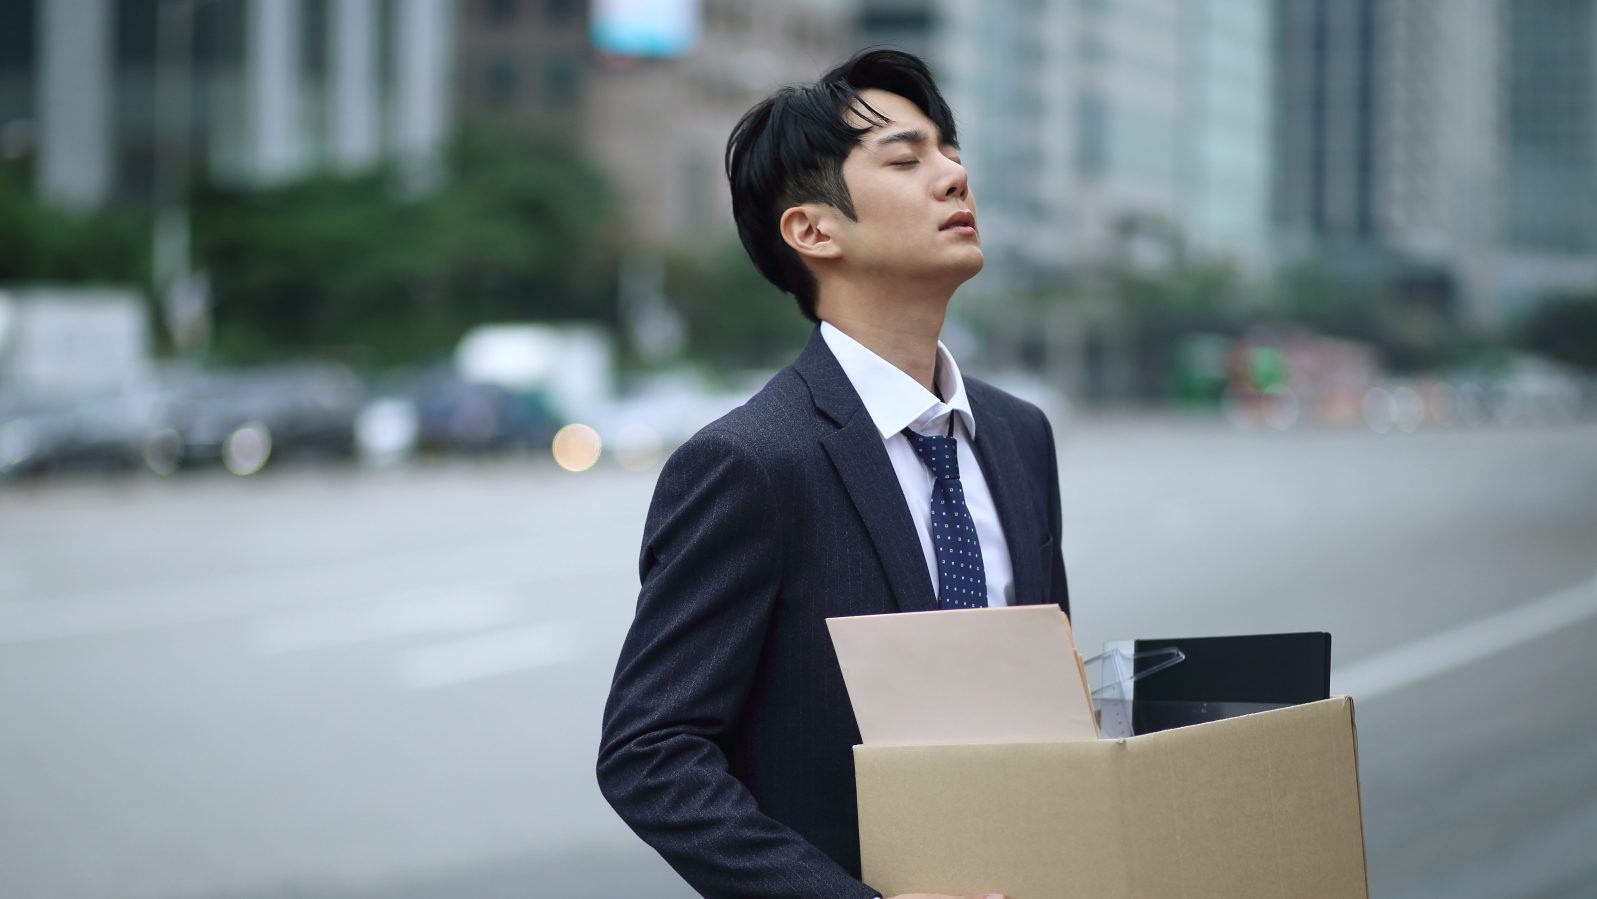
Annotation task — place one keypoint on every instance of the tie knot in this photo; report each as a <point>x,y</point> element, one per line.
<point>939,454</point>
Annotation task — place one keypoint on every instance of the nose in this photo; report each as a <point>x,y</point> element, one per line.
<point>954,181</point>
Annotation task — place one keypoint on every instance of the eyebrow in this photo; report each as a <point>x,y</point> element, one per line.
<point>907,136</point>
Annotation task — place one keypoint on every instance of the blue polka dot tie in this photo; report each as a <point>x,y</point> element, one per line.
<point>959,567</point>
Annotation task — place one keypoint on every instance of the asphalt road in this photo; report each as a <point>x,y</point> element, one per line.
<point>338,683</point>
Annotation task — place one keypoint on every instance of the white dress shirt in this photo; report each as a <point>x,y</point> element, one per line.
<point>895,401</point>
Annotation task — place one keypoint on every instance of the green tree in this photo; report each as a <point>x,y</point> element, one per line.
<point>1338,306</point>
<point>1407,313</point>
<point>40,243</point>
<point>733,316</point>
<point>520,230</point>
<point>1166,308</point>
<point>1564,328</point>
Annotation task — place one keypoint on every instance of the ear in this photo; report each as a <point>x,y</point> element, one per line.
<point>808,229</point>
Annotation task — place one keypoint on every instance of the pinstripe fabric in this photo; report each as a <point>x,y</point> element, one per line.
<point>727,737</point>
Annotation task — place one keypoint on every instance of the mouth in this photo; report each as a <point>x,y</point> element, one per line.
<point>961,222</point>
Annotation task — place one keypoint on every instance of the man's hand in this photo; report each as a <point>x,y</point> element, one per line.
<point>943,896</point>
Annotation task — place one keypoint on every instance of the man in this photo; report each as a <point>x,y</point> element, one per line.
<point>867,477</point>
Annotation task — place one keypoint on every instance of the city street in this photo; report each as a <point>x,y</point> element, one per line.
<point>328,682</point>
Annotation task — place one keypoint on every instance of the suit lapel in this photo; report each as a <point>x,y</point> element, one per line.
<point>857,452</point>
<point>995,450</point>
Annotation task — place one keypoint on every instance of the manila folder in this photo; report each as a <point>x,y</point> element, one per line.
<point>997,675</point>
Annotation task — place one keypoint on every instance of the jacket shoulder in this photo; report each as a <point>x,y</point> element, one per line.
<point>1019,412</point>
<point>767,423</point>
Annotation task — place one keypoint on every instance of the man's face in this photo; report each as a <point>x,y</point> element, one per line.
<point>907,185</point>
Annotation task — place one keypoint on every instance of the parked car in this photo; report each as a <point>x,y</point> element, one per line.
<point>245,418</point>
<point>103,430</point>
<point>457,415</point>
<point>181,416</point>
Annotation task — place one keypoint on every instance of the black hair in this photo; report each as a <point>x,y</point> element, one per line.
<point>789,149</point>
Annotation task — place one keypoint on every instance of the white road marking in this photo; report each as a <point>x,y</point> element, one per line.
<point>491,655</point>
<point>1395,669</point>
<point>415,612</point>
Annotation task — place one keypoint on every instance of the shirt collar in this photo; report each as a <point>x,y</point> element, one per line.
<point>893,399</point>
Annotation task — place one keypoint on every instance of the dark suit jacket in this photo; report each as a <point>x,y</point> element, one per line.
<point>727,741</point>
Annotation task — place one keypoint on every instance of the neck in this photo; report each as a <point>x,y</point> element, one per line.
<point>901,327</point>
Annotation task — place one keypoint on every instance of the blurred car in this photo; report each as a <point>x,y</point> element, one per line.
<point>453,414</point>
<point>103,430</point>
<point>31,435</point>
<point>179,416</point>
<point>245,418</point>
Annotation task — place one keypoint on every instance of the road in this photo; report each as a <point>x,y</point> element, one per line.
<point>330,683</point>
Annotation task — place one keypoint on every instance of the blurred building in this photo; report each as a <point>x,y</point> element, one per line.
<point>1102,131</point>
<point>1100,136</point>
<point>660,126</point>
<point>1444,136</point>
<point>650,91</point>
<point>1549,197</point>
<point>120,99</point>
<point>527,61</point>
<point>1385,145</point>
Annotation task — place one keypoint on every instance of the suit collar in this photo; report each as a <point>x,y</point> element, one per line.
<point>829,385</point>
<point>857,452</point>
<point>895,400</point>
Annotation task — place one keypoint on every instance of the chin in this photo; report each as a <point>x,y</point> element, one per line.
<point>970,263</point>
<point>948,268</point>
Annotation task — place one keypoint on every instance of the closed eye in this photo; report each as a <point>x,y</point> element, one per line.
<point>907,162</point>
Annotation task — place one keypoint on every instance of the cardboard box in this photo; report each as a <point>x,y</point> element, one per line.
<point>1261,805</point>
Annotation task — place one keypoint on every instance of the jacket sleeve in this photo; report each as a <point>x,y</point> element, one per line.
<point>1058,589</point>
<point>710,570</point>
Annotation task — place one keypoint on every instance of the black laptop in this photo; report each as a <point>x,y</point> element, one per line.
<point>1222,677</point>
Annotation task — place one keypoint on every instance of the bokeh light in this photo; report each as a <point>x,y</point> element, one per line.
<point>638,447</point>
<point>577,447</point>
<point>247,449</point>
